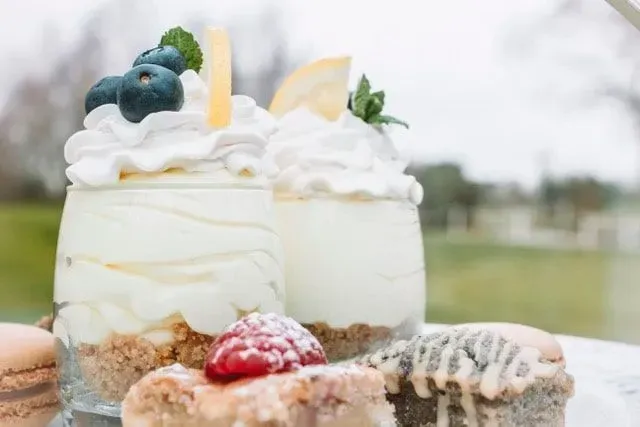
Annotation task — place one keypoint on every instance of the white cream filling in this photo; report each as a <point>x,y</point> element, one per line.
<point>351,262</point>
<point>132,259</point>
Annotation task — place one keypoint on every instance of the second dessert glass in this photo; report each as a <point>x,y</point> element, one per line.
<point>355,269</point>
<point>347,213</point>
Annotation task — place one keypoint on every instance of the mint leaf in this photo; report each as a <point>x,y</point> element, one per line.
<point>389,120</point>
<point>368,106</point>
<point>379,95</point>
<point>186,43</point>
<point>373,107</point>
<point>363,92</point>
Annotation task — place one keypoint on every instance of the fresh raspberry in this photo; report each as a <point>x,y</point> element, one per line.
<point>261,344</point>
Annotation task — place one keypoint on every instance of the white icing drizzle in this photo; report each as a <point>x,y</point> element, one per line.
<point>490,382</point>
<point>441,375</point>
<point>443,411</point>
<point>177,372</point>
<point>477,361</point>
<point>465,370</point>
<point>469,408</point>
<point>421,386</point>
<point>392,383</point>
<point>389,365</point>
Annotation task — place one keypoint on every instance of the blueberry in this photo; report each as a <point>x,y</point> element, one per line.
<point>103,92</point>
<point>166,56</point>
<point>147,89</point>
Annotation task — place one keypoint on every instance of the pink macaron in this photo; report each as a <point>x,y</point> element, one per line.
<point>28,392</point>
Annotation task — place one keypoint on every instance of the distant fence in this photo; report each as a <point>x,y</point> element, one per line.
<point>521,226</point>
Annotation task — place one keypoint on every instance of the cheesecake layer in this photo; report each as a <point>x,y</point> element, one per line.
<point>352,261</point>
<point>133,260</point>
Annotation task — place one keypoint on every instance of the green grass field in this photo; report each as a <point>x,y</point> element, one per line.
<point>562,291</point>
<point>28,236</point>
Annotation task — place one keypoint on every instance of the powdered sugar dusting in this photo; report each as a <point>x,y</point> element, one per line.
<point>270,398</point>
<point>260,344</point>
<point>176,371</point>
<point>324,392</point>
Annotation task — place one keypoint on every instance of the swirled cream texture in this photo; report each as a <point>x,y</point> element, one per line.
<point>111,146</point>
<point>133,261</point>
<point>347,157</point>
<point>352,262</point>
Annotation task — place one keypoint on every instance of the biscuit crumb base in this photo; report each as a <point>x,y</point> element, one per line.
<point>345,343</point>
<point>113,366</point>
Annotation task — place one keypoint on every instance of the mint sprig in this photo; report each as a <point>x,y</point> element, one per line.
<point>368,106</point>
<point>186,43</point>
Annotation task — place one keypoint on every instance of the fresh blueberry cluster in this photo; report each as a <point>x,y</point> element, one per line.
<point>150,86</point>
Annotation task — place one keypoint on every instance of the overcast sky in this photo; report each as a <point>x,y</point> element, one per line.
<point>445,68</point>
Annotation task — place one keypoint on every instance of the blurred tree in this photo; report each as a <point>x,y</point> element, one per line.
<point>44,109</point>
<point>468,196</point>
<point>271,54</point>
<point>586,194</point>
<point>583,194</point>
<point>261,57</point>
<point>615,80</point>
<point>505,195</point>
<point>445,188</point>
<point>550,196</point>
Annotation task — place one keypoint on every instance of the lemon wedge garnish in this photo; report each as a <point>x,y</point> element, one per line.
<point>321,86</point>
<point>219,106</point>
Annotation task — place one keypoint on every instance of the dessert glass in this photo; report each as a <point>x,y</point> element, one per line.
<point>147,274</point>
<point>168,235</point>
<point>348,219</point>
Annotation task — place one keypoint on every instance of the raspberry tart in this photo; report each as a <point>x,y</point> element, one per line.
<point>263,371</point>
<point>475,377</point>
<point>346,210</point>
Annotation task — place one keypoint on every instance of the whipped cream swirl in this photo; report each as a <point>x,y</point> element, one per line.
<point>346,157</point>
<point>111,145</point>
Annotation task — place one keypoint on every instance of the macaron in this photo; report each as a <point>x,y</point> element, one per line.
<point>28,392</point>
<point>526,336</point>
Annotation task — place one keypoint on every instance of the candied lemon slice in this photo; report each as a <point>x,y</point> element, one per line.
<point>219,49</point>
<point>321,86</point>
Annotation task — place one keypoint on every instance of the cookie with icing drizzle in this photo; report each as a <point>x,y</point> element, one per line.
<point>471,377</point>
